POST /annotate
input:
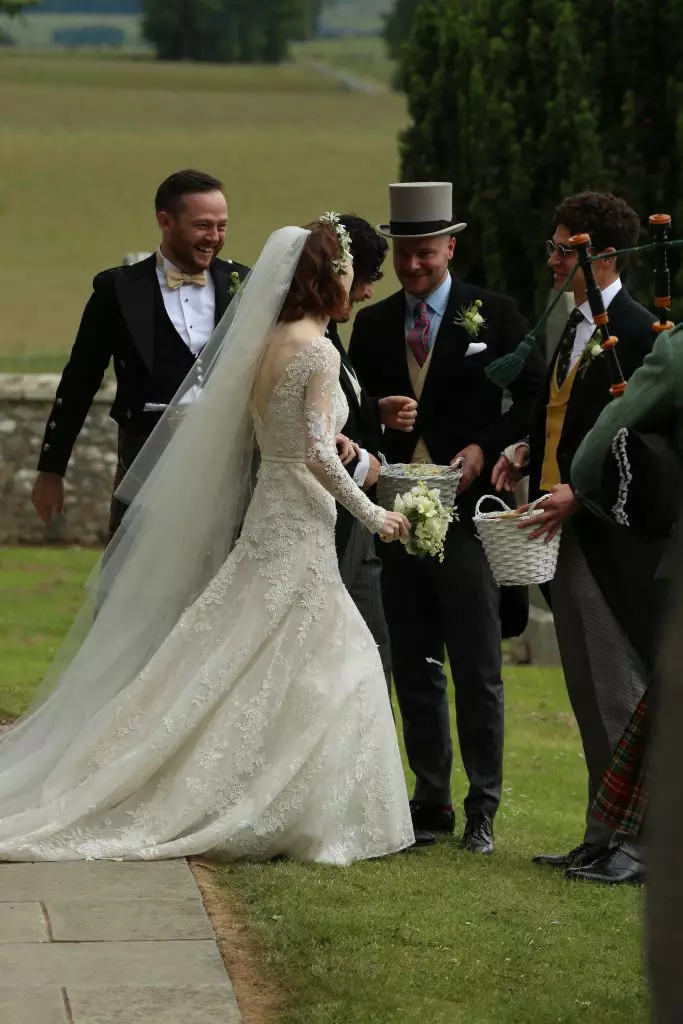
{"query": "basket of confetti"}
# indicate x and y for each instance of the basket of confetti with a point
(397, 478)
(516, 558)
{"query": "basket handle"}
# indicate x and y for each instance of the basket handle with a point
(490, 497)
(494, 497)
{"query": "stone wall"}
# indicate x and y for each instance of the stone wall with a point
(25, 403)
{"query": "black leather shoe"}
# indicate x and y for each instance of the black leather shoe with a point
(581, 856)
(431, 817)
(422, 840)
(478, 835)
(617, 867)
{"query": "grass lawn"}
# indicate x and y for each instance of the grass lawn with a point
(438, 936)
(85, 143)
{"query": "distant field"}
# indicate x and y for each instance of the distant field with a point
(86, 141)
(355, 15)
(362, 56)
(36, 30)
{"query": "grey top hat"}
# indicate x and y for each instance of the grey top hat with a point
(421, 209)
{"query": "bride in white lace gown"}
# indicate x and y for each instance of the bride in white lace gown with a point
(259, 724)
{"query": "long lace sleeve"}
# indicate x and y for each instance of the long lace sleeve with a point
(321, 450)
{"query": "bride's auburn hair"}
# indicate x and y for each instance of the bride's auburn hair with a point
(317, 288)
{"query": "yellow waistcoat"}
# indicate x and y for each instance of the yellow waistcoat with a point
(554, 423)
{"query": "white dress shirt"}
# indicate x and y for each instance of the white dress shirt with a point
(191, 309)
(586, 329)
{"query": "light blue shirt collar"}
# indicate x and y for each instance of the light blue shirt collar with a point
(437, 301)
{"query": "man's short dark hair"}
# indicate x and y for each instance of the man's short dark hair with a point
(170, 193)
(609, 220)
(368, 248)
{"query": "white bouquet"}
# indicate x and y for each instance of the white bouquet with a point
(429, 520)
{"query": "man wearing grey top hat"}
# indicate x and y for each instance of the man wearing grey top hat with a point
(433, 340)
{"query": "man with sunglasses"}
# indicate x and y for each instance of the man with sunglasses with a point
(603, 642)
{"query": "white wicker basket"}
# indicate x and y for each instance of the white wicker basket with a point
(515, 558)
(398, 477)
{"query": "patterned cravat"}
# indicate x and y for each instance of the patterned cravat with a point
(418, 337)
(566, 345)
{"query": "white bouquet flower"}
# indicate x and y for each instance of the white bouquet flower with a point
(429, 520)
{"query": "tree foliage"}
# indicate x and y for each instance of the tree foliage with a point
(398, 24)
(521, 102)
(231, 31)
(14, 7)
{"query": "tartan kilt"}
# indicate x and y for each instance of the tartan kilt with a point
(622, 798)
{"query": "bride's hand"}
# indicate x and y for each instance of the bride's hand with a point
(395, 525)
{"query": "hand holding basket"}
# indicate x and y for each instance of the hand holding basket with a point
(516, 558)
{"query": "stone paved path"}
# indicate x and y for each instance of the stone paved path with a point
(108, 943)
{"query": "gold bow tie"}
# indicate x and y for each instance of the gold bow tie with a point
(174, 278)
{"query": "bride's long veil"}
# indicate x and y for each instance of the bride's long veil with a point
(188, 492)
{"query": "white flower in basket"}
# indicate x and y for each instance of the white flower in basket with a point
(429, 520)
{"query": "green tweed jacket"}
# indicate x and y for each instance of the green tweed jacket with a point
(653, 400)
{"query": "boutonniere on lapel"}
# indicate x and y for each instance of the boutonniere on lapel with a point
(593, 350)
(471, 319)
(235, 284)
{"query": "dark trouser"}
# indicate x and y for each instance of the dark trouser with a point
(605, 678)
(361, 571)
(453, 605)
(129, 446)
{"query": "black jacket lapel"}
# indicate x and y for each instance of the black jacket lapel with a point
(135, 290)
(347, 371)
(452, 340)
(220, 272)
(394, 340)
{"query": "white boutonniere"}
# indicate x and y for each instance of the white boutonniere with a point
(593, 350)
(471, 319)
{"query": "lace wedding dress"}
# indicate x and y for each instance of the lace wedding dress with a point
(261, 726)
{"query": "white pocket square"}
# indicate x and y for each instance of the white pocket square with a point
(475, 347)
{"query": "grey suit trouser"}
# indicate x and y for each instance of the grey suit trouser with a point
(361, 570)
(604, 676)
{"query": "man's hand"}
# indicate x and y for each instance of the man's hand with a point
(48, 495)
(561, 504)
(346, 449)
(474, 460)
(506, 475)
(373, 472)
(398, 412)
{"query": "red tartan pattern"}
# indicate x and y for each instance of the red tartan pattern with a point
(622, 798)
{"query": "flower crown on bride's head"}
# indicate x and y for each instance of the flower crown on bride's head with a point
(340, 265)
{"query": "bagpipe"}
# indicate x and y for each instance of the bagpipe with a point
(659, 226)
(642, 478)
